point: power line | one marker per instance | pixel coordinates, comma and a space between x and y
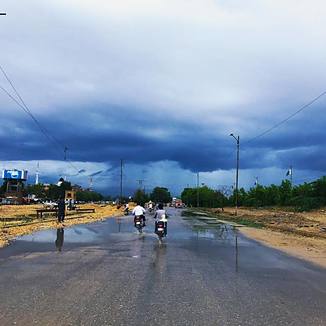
287, 119
26, 109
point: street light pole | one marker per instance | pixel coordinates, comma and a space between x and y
237, 173
197, 189
121, 176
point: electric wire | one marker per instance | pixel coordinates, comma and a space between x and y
286, 119
23, 108
26, 109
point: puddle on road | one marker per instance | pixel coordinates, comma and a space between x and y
119, 230
210, 227
85, 233
195, 227
70, 237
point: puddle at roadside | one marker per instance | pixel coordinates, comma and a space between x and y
210, 228
67, 238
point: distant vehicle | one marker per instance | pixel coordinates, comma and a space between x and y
50, 205
178, 203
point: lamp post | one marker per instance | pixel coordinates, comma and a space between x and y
197, 189
237, 173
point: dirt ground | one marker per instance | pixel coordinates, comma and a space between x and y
310, 249
301, 234
309, 224
17, 220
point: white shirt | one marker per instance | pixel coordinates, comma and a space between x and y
138, 210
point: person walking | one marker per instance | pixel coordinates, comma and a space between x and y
61, 209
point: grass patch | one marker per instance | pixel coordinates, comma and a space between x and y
236, 219
249, 223
194, 213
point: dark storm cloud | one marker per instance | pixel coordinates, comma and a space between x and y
117, 133
142, 81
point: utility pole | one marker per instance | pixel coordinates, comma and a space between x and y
197, 189
65, 151
121, 176
237, 174
37, 173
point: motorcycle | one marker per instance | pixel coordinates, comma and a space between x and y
160, 229
139, 223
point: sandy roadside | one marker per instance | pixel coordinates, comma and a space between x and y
310, 249
8, 233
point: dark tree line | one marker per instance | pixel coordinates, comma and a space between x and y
158, 195
54, 192
205, 196
303, 197
88, 196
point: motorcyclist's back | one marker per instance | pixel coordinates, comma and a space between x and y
138, 210
161, 216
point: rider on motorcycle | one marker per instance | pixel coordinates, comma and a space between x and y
139, 211
150, 206
126, 209
161, 216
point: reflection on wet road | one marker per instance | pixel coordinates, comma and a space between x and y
204, 273
60, 238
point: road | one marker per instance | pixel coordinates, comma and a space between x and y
203, 274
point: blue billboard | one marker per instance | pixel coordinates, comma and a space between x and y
14, 174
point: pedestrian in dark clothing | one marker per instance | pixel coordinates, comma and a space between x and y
61, 210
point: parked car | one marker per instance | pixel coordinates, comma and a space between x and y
50, 204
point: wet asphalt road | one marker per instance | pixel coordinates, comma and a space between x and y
203, 274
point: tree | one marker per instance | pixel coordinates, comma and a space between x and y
3, 188
88, 196
37, 190
160, 195
272, 195
285, 193
140, 197
54, 192
207, 197
319, 187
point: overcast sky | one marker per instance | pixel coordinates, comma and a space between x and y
162, 84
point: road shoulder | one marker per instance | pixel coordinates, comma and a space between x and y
310, 249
